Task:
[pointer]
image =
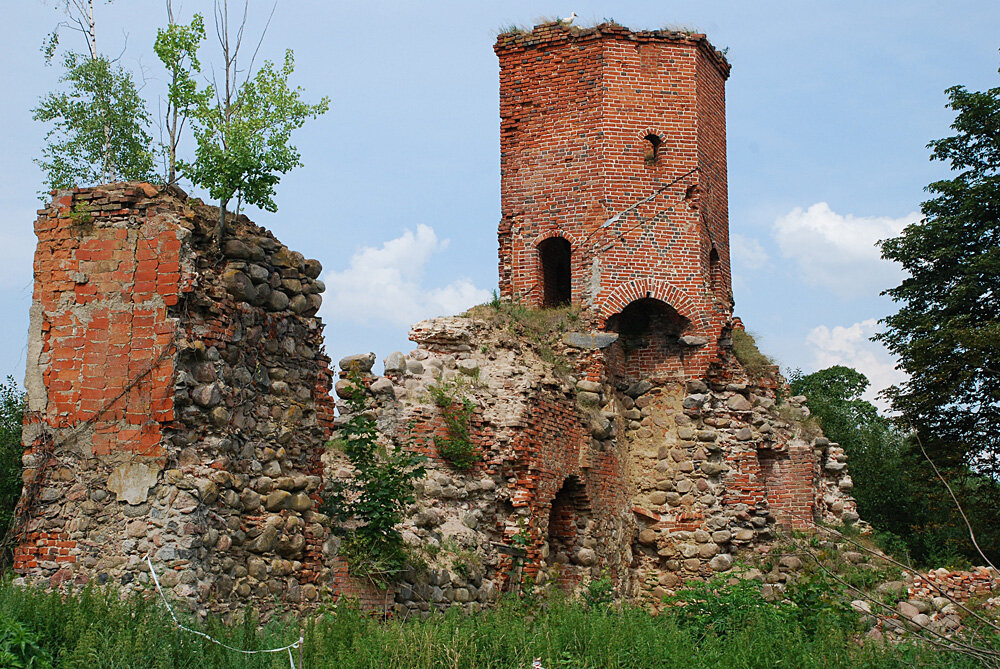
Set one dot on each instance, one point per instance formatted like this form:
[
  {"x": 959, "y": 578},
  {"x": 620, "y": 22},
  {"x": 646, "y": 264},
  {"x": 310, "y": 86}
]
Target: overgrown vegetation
[
  {"x": 456, "y": 446},
  {"x": 11, "y": 417},
  {"x": 756, "y": 364},
  {"x": 369, "y": 506},
  {"x": 540, "y": 327},
  {"x": 895, "y": 487},
  {"x": 724, "y": 626}
]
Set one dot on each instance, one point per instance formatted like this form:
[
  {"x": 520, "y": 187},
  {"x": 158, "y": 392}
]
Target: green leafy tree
[
  {"x": 98, "y": 126},
  {"x": 896, "y": 490},
  {"x": 244, "y": 133},
  {"x": 373, "y": 501},
  {"x": 11, "y": 417},
  {"x": 98, "y": 123},
  {"x": 946, "y": 331},
  {"x": 177, "y": 48}
]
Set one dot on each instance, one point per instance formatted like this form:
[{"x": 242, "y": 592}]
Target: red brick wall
[
  {"x": 101, "y": 294},
  {"x": 788, "y": 479},
  {"x": 126, "y": 278},
  {"x": 575, "y": 107},
  {"x": 555, "y": 447}
]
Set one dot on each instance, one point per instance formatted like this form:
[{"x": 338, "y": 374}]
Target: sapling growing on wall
[
  {"x": 99, "y": 120},
  {"x": 243, "y": 125},
  {"x": 374, "y": 499},
  {"x": 177, "y": 48}
]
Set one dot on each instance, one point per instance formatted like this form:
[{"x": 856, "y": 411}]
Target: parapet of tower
[{"x": 613, "y": 188}]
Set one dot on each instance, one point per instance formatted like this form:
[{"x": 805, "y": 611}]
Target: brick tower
[{"x": 613, "y": 188}]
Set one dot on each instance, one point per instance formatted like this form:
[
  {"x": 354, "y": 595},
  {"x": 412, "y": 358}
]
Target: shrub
[
  {"x": 374, "y": 499},
  {"x": 19, "y": 648},
  {"x": 456, "y": 447}
]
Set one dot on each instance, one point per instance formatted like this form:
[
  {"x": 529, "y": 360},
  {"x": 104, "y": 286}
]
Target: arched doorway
[{"x": 555, "y": 255}]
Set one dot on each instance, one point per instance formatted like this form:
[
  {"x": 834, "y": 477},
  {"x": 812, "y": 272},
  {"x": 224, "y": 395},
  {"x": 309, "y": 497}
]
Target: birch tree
[{"x": 98, "y": 120}]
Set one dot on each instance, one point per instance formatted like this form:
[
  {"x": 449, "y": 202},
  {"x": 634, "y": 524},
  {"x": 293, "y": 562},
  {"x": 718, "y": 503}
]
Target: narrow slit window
[{"x": 652, "y": 148}]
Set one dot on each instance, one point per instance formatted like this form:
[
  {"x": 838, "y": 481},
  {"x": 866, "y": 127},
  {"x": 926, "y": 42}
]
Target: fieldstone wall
[
  {"x": 178, "y": 403},
  {"x": 648, "y": 483}
]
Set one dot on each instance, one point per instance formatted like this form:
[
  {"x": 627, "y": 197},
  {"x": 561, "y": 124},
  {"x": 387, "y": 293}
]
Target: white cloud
[
  {"x": 747, "y": 252},
  {"x": 851, "y": 346},
  {"x": 838, "y": 251},
  {"x": 387, "y": 284}
]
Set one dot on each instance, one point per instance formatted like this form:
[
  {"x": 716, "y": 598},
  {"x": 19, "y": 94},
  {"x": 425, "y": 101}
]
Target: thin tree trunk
[
  {"x": 220, "y": 227},
  {"x": 172, "y": 130}
]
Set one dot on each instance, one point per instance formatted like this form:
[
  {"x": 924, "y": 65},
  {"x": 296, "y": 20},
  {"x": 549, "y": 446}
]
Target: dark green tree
[
  {"x": 897, "y": 491},
  {"x": 11, "y": 416},
  {"x": 947, "y": 329}
]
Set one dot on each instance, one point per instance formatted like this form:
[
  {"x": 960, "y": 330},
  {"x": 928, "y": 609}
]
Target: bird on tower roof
[{"x": 568, "y": 20}]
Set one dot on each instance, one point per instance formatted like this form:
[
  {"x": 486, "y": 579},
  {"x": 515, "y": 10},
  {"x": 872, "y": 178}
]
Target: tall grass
[{"x": 95, "y": 629}]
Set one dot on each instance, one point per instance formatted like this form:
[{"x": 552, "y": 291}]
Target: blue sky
[{"x": 830, "y": 106}]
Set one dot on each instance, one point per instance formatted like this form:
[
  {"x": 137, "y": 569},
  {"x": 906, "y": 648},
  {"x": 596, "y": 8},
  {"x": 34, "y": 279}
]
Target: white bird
[{"x": 569, "y": 19}]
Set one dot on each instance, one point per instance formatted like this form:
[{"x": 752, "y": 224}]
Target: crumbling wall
[
  {"x": 177, "y": 403},
  {"x": 648, "y": 483}
]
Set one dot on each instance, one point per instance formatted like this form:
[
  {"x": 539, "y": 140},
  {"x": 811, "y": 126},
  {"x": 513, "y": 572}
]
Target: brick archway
[{"x": 639, "y": 289}]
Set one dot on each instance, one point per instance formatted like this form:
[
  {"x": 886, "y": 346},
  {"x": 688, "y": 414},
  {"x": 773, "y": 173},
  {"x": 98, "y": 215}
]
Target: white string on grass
[{"x": 288, "y": 648}]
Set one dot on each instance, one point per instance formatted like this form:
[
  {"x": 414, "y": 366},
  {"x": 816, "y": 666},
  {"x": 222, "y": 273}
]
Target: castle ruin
[{"x": 179, "y": 398}]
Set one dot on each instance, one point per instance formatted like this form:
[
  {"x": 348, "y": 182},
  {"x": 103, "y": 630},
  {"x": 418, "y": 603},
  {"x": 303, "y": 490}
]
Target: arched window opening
[
  {"x": 653, "y": 142},
  {"x": 556, "y": 254},
  {"x": 715, "y": 270},
  {"x": 646, "y": 320},
  {"x": 648, "y": 343}
]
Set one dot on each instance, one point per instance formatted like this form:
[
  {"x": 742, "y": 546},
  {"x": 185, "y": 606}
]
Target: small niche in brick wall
[
  {"x": 566, "y": 519},
  {"x": 715, "y": 270},
  {"x": 555, "y": 254}
]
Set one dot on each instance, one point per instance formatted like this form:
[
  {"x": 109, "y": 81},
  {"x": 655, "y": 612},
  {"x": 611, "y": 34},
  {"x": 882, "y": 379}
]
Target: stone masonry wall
[
  {"x": 651, "y": 484},
  {"x": 177, "y": 403}
]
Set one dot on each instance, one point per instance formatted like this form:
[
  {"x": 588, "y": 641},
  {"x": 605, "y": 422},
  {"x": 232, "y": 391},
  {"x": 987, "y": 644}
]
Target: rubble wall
[
  {"x": 647, "y": 484},
  {"x": 178, "y": 403}
]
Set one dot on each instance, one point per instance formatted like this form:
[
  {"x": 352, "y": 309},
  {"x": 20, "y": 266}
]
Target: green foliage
[
  {"x": 244, "y": 138},
  {"x": 11, "y": 416},
  {"x": 456, "y": 446},
  {"x": 721, "y": 608},
  {"x": 98, "y": 629},
  {"x": 600, "y": 593},
  {"x": 19, "y": 647},
  {"x": 745, "y": 349},
  {"x": 177, "y": 48},
  {"x": 375, "y": 498},
  {"x": 99, "y": 122},
  {"x": 101, "y": 628},
  {"x": 946, "y": 330},
  {"x": 896, "y": 490}
]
